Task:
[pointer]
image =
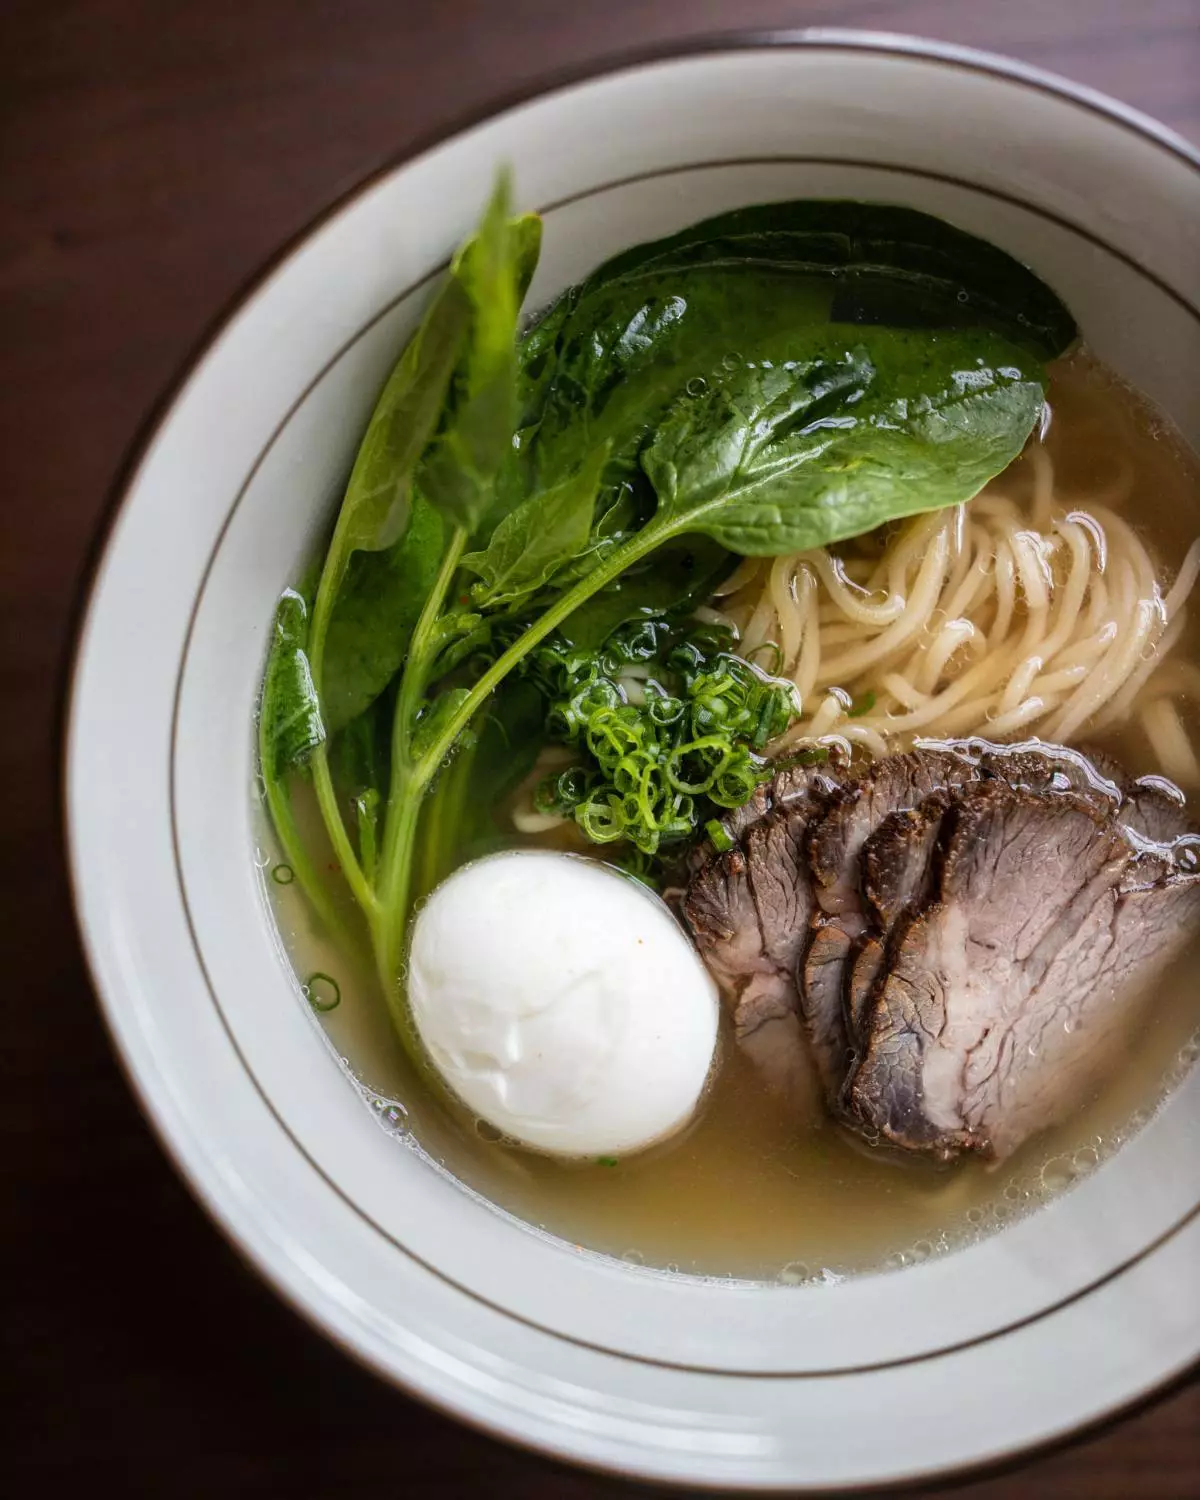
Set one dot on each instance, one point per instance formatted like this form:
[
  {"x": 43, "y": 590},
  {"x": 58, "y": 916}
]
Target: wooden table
[{"x": 152, "y": 156}]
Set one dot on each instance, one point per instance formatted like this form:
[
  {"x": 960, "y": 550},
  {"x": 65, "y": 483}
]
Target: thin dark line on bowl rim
[
  {"x": 816, "y": 40},
  {"x": 597, "y": 191}
]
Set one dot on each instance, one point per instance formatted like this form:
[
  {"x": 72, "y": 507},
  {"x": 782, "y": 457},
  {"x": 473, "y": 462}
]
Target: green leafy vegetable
[
  {"x": 494, "y": 270},
  {"x": 447, "y": 410},
  {"x": 536, "y": 539},
  {"x": 359, "y": 752},
  {"x": 781, "y": 460},
  {"x": 290, "y": 726},
  {"x": 290, "y": 733},
  {"x": 378, "y": 497},
  {"x": 374, "y": 615},
  {"x": 677, "y": 576}
]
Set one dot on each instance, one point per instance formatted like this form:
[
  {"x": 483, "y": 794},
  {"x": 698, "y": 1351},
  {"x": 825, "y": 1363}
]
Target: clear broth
[{"x": 747, "y": 1190}]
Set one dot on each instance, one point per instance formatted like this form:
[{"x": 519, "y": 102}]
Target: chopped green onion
[
  {"x": 650, "y": 772},
  {"x": 606, "y": 1161},
  {"x": 718, "y": 835},
  {"x": 776, "y": 659},
  {"x": 861, "y": 706},
  {"x": 312, "y": 992}
]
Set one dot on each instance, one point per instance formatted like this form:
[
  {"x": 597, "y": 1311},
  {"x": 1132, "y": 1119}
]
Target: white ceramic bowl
[{"x": 1029, "y": 1335}]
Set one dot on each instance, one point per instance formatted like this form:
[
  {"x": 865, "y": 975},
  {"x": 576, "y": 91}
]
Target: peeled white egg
[{"x": 562, "y": 1002}]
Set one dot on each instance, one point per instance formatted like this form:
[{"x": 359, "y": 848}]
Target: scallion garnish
[
  {"x": 718, "y": 835},
  {"x": 322, "y": 992},
  {"x": 650, "y": 772}
]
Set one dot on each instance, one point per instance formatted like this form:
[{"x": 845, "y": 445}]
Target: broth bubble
[
  {"x": 1058, "y": 1173},
  {"x": 395, "y": 1117}
]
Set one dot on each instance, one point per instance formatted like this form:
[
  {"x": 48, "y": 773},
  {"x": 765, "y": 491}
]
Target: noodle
[{"x": 1015, "y": 613}]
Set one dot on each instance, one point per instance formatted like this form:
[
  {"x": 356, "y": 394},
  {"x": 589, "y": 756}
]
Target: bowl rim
[{"x": 869, "y": 42}]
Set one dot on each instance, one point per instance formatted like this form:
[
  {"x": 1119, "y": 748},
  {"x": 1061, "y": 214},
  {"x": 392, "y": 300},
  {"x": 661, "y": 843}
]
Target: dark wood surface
[{"x": 152, "y": 156}]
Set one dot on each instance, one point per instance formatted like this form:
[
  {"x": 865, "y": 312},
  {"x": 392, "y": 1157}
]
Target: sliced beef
[
  {"x": 1077, "y": 1024},
  {"x": 899, "y": 867},
  {"x": 956, "y": 941},
  {"x": 749, "y": 910},
  {"x": 1021, "y": 872},
  {"x": 842, "y": 921}
]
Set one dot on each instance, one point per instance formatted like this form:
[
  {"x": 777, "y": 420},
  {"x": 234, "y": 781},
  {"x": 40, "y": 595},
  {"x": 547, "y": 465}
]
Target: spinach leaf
[
  {"x": 450, "y": 401},
  {"x": 375, "y": 509},
  {"x": 493, "y": 270},
  {"x": 677, "y": 576},
  {"x": 290, "y": 729},
  {"x": 466, "y": 334},
  {"x": 773, "y": 286},
  {"x": 781, "y": 460},
  {"x": 374, "y": 614},
  {"x": 935, "y": 271},
  {"x": 549, "y": 529},
  {"x": 358, "y": 753},
  {"x": 290, "y": 734}
]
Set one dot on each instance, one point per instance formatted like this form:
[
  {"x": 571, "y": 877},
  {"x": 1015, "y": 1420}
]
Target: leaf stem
[
  {"x": 636, "y": 548},
  {"x": 338, "y": 837},
  {"x": 404, "y": 793},
  {"x": 330, "y": 582},
  {"x": 279, "y": 805}
]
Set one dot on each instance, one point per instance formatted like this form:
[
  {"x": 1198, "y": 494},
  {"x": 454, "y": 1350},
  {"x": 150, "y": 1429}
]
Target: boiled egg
[{"x": 562, "y": 1003}]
